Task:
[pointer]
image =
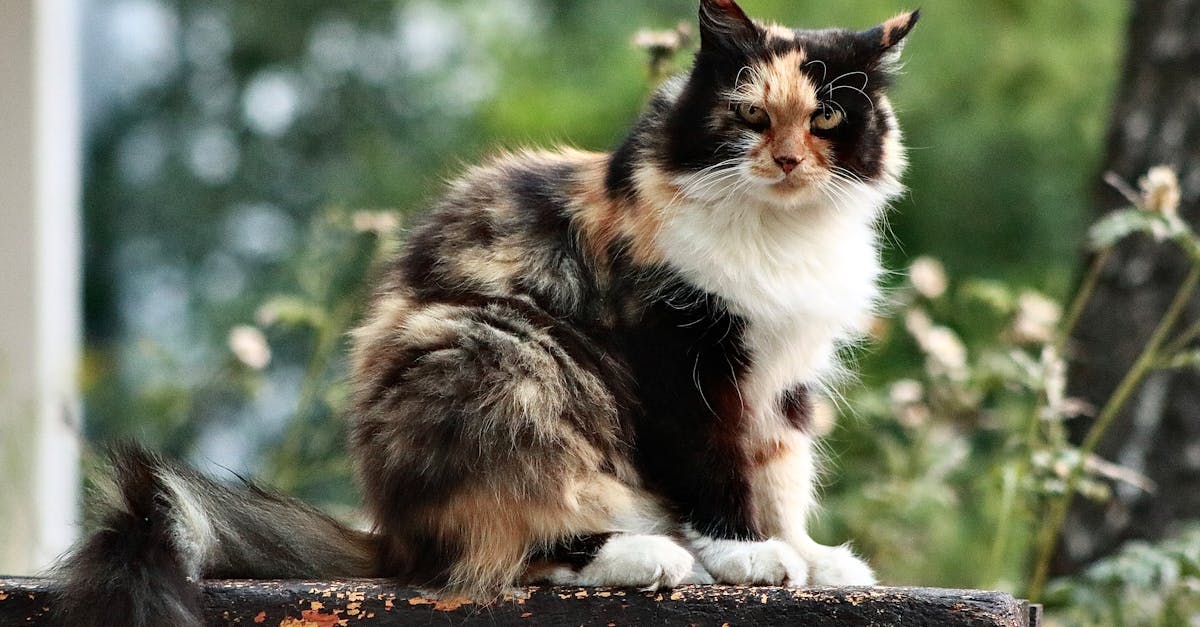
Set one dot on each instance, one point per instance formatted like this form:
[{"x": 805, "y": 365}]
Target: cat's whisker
[
  {"x": 855, "y": 89},
  {"x": 824, "y": 69},
  {"x": 705, "y": 185},
  {"x": 837, "y": 194},
  {"x": 847, "y": 174},
  {"x": 866, "y": 78},
  {"x": 834, "y": 103}
]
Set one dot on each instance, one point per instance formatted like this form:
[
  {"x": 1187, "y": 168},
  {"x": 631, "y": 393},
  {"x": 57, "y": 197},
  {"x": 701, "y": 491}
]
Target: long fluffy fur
[
  {"x": 161, "y": 527},
  {"x": 585, "y": 368}
]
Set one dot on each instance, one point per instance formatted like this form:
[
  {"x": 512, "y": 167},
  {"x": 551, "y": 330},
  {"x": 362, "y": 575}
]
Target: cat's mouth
[{"x": 791, "y": 183}]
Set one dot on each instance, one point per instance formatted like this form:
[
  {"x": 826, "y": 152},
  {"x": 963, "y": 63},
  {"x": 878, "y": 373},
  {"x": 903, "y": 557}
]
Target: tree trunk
[{"x": 1156, "y": 120}]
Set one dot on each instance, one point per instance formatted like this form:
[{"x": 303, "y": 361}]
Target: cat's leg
[
  {"x": 482, "y": 433},
  {"x": 745, "y": 485},
  {"x": 782, "y": 485},
  {"x": 614, "y": 559},
  {"x": 694, "y": 449}
]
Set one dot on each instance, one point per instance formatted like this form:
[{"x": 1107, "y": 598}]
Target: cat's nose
[{"x": 787, "y": 164}]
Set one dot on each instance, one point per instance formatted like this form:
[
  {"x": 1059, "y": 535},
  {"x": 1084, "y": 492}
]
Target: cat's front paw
[
  {"x": 769, "y": 562},
  {"x": 644, "y": 561},
  {"x": 838, "y": 566}
]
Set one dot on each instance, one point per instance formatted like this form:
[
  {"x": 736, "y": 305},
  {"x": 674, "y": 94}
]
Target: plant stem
[
  {"x": 1082, "y": 297},
  {"x": 327, "y": 341},
  {"x": 1181, "y": 342},
  {"x": 1012, "y": 479},
  {"x": 1052, "y": 530}
]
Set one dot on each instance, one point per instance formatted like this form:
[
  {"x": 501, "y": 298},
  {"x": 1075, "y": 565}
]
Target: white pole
[{"x": 39, "y": 281}]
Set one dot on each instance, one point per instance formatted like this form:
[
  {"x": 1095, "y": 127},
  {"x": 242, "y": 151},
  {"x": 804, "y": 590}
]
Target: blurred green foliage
[
  {"x": 228, "y": 186},
  {"x": 1143, "y": 584}
]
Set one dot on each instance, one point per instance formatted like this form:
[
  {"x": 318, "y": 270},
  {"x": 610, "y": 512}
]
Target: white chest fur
[{"x": 803, "y": 278}]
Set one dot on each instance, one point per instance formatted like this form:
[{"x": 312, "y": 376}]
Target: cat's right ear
[{"x": 724, "y": 26}]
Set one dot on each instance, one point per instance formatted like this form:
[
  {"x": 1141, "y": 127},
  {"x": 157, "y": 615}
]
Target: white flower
[
  {"x": 928, "y": 277},
  {"x": 1037, "y": 318},
  {"x": 661, "y": 43},
  {"x": 906, "y": 392},
  {"x": 250, "y": 347},
  {"x": 907, "y": 396},
  {"x": 1160, "y": 191},
  {"x": 382, "y": 222},
  {"x": 947, "y": 355}
]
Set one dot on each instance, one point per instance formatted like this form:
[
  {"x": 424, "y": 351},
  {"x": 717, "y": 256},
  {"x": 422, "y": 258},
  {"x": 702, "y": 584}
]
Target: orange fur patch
[
  {"x": 497, "y": 529},
  {"x": 602, "y": 221},
  {"x": 769, "y": 452},
  {"x": 896, "y": 28},
  {"x": 790, "y": 98},
  {"x": 779, "y": 87}
]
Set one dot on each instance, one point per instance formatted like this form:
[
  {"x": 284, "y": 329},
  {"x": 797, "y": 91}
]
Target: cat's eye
[
  {"x": 753, "y": 115},
  {"x": 828, "y": 118}
]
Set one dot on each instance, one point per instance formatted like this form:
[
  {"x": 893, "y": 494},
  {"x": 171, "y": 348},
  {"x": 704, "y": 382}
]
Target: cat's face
[{"x": 786, "y": 116}]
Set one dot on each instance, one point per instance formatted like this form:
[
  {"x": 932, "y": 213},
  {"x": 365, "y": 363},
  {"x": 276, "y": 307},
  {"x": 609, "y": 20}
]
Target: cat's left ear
[
  {"x": 887, "y": 39},
  {"x": 724, "y": 26}
]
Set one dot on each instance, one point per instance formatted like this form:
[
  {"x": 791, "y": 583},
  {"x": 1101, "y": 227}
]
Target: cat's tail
[{"x": 162, "y": 527}]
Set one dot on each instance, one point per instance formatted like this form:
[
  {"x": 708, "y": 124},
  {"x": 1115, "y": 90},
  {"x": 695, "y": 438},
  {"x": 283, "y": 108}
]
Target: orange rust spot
[
  {"x": 449, "y": 605},
  {"x": 316, "y": 606},
  {"x": 314, "y": 618},
  {"x": 261, "y": 617},
  {"x": 676, "y": 596},
  {"x": 441, "y": 605},
  {"x": 3, "y": 596}
]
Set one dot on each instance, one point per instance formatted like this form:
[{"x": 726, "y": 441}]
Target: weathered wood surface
[{"x": 373, "y": 603}]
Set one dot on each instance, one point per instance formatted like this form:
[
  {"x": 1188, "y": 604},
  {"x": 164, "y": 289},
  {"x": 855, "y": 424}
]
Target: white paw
[
  {"x": 770, "y": 562},
  {"x": 838, "y": 566},
  {"x": 643, "y": 561}
]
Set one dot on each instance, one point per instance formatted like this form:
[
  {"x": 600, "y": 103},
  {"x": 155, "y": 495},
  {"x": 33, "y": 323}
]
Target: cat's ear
[
  {"x": 725, "y": 26},
  {"x": 887, "y": 40}
]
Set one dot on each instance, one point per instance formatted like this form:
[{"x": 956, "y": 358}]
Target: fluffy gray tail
[{"x": 163, "y": 527}]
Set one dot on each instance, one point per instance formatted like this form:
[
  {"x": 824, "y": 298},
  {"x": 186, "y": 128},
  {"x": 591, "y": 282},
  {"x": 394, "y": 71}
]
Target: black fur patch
[
  {"x": 575, "y": 552},
  {"x": 686, "y": 354},
  {"x": 797, "y": 408},
  {"x": 129, "y": 572}
]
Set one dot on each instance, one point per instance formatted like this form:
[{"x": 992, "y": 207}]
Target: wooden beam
[{"x": 374, "y": 603}]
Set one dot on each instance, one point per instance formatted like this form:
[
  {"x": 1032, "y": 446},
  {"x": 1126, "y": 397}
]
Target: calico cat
[{"x": 585, "y": 369}]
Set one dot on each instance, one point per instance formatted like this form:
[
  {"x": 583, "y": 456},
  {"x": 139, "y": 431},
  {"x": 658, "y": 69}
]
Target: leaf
[{"x": 1118, "y": 225}]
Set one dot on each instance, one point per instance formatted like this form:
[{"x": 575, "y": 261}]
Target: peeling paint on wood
[{"x": 371, "y": 603}]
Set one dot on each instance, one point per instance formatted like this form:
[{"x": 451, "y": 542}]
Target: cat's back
[{"x": 509, "y": 228}]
